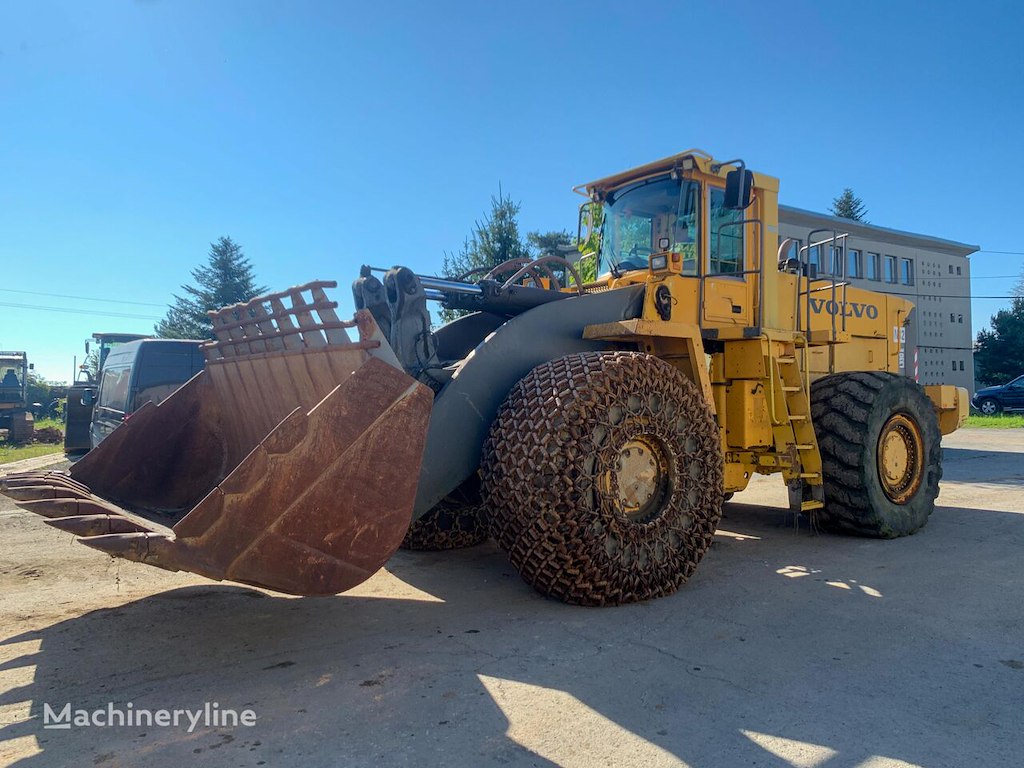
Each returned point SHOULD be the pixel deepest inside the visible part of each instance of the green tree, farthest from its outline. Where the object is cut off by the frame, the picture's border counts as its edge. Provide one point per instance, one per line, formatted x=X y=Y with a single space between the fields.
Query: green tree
x=226 y=279
x=554 y=243
x=493 y=241
x=999 y=352
x=849 y=206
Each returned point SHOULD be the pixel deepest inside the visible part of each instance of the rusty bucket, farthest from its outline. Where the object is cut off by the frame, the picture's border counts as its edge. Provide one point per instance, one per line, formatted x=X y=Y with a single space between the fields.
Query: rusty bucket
x=290 y=462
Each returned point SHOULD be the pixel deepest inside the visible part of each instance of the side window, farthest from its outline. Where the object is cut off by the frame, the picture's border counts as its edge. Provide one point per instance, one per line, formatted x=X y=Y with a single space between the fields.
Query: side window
x=114 y=388
x=726 y=236
x=684 y=230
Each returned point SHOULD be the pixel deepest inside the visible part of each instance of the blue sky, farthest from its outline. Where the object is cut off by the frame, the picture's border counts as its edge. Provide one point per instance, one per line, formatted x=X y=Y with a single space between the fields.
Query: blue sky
x=325 y=135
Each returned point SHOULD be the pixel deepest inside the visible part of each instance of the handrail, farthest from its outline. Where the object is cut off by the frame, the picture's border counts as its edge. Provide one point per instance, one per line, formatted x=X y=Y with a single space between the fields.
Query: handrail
x=829 y=275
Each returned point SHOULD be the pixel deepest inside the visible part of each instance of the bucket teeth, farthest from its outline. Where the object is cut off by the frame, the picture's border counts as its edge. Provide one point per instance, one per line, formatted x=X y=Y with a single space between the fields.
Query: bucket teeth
x=149 y=548
x=35 y=492
x=41 y=478
x=67 y=507
x=95 y=525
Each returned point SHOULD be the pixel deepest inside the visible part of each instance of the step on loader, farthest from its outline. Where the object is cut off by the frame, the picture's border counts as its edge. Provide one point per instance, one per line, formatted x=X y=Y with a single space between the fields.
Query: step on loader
x=589 y=415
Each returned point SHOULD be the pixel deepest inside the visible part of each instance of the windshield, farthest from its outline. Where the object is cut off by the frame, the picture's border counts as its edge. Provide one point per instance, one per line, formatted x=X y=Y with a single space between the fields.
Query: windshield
x=651 y=217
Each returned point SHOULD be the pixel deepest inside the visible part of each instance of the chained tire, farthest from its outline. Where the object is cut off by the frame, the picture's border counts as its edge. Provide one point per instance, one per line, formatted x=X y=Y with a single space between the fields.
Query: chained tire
x=456 y=522
x=602 y=476
x=881 y=453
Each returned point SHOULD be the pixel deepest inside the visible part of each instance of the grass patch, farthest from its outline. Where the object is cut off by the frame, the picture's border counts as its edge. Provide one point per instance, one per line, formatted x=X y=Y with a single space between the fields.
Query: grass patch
x=1002 y=421
x=41 y=423
x=9 y=453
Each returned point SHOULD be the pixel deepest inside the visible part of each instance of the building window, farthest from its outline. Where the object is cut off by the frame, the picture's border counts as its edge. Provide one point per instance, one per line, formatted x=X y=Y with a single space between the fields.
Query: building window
x=906 y=271
x=958 y=270
x=814 y=257
x=890 y=269
x=960 y=319
x=952 y=317
x=871 y=265
x=961 y=365
x=835 y=260
x=951 y=269
x=853 y=263
x=954 y=365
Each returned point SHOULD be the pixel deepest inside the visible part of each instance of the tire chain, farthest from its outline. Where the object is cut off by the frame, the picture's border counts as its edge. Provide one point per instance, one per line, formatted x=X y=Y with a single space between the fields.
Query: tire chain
x=558 y=433
x=451 y=524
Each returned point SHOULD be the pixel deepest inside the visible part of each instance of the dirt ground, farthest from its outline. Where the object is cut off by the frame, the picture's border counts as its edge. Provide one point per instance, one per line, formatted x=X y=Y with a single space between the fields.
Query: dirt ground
x=785 y=649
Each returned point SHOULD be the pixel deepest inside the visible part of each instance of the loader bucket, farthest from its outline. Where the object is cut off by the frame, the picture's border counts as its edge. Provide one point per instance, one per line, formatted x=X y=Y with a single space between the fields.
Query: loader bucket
x=291 y=462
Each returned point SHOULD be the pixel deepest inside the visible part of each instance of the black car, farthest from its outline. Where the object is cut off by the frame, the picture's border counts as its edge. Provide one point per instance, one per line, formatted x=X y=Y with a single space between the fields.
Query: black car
x=1008 y=397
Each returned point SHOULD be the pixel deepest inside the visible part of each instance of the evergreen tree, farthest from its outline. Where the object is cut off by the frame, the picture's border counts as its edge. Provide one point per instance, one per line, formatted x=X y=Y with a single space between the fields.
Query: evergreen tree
x=226 y=279
x=849 y=206
x=553 y=243
x=493 y=241
x=999 y=353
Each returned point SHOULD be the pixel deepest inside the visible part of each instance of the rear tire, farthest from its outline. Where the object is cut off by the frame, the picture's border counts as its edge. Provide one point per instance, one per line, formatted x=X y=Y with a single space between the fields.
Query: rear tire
x=602 y=476
x=880 y=450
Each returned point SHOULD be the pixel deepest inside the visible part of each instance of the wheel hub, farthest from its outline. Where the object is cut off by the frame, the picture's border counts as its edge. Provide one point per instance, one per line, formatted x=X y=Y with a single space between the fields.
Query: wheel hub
x=641 y=474
x=900 y=458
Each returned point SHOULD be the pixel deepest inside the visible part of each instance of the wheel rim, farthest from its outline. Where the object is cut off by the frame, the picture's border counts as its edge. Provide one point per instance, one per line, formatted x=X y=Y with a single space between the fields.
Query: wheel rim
x=900 y=458
x=641 y=479
x=988 y=407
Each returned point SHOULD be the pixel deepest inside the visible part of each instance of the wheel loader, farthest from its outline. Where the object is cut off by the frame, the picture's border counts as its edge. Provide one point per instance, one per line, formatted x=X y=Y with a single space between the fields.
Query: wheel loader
x=590 y=416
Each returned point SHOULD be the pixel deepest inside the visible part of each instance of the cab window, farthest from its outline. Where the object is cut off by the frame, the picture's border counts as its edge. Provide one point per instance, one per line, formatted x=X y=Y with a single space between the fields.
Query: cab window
x=726 y=235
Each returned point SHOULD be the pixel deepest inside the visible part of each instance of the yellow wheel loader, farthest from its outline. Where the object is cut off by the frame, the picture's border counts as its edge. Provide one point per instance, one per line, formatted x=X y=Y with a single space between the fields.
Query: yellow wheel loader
x=590 y=416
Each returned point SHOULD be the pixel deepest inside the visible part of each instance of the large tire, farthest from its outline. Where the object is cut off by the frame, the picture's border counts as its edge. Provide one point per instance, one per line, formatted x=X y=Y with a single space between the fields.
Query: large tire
x=881 y=453
x=602 y=476
x=459 y=520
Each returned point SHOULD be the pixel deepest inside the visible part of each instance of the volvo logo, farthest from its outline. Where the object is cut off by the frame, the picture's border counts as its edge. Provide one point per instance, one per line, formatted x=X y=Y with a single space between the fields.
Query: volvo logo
x=853 y=309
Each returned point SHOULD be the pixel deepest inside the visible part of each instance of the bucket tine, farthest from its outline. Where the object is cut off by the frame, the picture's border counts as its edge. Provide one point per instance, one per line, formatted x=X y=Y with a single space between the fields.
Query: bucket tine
x=33 y=492
x=148 y=548
x=55 y=508
x=63 y=481
x=95 y=525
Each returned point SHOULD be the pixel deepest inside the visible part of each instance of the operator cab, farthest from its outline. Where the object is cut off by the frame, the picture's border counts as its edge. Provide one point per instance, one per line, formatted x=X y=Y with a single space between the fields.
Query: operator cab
x=12 y=377
x=665 y=221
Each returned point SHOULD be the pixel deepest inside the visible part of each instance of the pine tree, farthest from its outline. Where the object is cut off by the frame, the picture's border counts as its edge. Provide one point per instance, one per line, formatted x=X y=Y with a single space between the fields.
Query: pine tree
x=493 y=241
x=849 y=206
x=226 y=279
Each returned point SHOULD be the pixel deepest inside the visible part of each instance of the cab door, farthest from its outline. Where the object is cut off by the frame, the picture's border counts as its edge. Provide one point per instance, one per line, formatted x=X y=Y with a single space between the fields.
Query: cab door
x=728 y=293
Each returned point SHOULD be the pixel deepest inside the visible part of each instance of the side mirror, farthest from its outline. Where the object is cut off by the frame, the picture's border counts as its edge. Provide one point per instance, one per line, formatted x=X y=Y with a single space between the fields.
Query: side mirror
x=87 y=347
x=88 y=397
x=31 y=366
x=739 y=189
